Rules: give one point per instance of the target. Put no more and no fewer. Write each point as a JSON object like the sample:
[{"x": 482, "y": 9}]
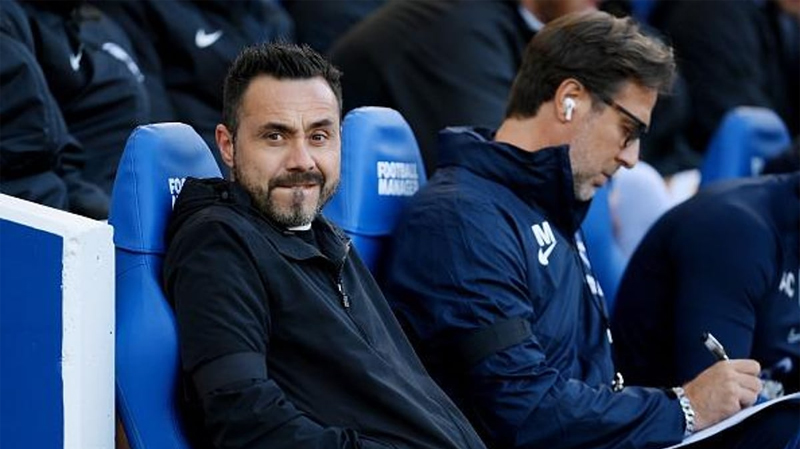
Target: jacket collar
[
  {"x": 198, "y": 194},
  {"x": 542, "y": 179}
]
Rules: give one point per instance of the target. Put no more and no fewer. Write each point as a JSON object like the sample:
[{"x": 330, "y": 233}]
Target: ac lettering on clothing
[
  {"x": 397, "y": 178},
  {"x": 787, "y": 284},
  {"x": 175, "y": 185}
]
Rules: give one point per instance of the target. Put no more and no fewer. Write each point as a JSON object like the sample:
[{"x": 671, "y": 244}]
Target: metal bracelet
[{"x": 688, "y": 411}]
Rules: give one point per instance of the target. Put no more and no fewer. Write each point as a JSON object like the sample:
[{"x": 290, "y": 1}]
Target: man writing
[
  {"x": 286, "y": 341},
  {"x": 491, "y": 279}
]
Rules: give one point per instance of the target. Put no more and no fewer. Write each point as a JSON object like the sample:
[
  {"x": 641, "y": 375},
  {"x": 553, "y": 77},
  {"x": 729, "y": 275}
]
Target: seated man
[
  {"x": 724, "y": 262},
  {"x": 286, "y": 341},
  {"x": 493, "y": 283}
]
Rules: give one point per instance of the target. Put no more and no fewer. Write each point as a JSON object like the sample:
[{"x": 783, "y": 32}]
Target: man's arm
[
  {"x": 725, "y": 264},
  {"x": 458, "y": 267},
  {"x": 224, "y": 325},
  {"x": 450, "y": 273}
]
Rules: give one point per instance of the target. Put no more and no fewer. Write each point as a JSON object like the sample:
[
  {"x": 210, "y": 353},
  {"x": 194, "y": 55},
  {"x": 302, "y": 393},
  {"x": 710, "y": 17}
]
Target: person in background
[
  {"x": 724, "y": 262},
  {"x": 285, "y": 339},
  {"x": 735, "y": 53},
  {"x": 441, "y": 63},
  {"x": 186, "y": 47},
  {"x": 319, "y": 23},
  {"x": 491, "y": 279},
  {"x": 88, "y": 71}
]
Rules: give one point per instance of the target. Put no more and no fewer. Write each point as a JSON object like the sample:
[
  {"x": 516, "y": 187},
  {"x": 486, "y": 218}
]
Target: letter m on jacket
[{"x": 545, "y": 239}]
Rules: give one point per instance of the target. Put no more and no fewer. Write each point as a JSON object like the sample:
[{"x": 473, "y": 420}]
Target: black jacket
[
  {"x": 733, "y": 53},
  {"x": 292, "y": 345},
  {"x": 33, "y": 131},
  {"x": 93, "y": 76},
  {"x": 71, "y": 94},
  {"x": 440, "y": 63},
  {"x": 187, "y": 46}
]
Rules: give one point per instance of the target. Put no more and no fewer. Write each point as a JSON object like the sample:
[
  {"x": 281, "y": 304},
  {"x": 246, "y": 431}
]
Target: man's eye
[
  {"x": 275, "y": 137},
  {"x": 319, "y": 137}
]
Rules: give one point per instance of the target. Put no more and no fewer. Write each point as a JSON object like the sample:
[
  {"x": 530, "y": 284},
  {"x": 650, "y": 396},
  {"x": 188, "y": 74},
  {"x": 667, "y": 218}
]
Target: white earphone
[{"x": 569, "y": 106}]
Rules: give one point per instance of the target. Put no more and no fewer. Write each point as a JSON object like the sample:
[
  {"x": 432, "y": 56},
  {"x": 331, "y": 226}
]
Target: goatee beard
[{"x": 297, "y": 213}]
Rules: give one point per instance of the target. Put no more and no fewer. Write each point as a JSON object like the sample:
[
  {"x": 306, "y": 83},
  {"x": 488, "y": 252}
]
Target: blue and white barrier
[{"x": 56, "y": 329}]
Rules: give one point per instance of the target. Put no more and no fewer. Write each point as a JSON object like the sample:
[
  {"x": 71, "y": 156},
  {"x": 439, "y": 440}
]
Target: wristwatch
[{"x": 686, "y": 408}]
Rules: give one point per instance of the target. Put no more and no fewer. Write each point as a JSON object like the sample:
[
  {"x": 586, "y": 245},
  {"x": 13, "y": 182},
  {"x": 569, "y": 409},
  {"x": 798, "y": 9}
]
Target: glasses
[{"x": 640, "y": 128}]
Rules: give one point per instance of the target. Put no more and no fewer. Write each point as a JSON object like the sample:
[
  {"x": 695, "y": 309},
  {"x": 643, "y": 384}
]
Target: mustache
[{"x": 297, "y": 179}]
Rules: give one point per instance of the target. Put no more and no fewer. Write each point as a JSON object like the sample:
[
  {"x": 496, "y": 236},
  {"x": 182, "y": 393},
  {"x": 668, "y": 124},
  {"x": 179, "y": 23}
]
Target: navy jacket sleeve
[
  {"x": 34, "y": 130},
  {"x": 458, "y": 272},
  {"x": 726, "y": 266},
  {"x": 226, "y": 312}
]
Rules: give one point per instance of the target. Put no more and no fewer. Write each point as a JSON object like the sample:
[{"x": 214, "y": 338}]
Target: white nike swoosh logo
[
  {"x": 543, "y": 256},
  {"x": 794, "y": 337},
  {"x": 203, "y": 39},
  {"x": 75, "y": 61}
]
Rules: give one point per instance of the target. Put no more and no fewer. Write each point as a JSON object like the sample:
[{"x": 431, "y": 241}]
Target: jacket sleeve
[
  {"x": 726, "y": 264},
  {"x": 35, "y": 134},
  {"x": 32, "y": 122},
  {"x": 223, "y": 317},
  {"x": 461, "y": 272}
]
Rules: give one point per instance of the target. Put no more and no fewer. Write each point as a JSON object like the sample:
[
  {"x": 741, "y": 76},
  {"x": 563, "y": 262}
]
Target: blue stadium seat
[
  {"x": 620, "y": 215},
  {"x": 641, "y": 9},
  {"x": 156, "y": 160},
  {"x": 745, "y": 139},
  {"x": 381, "y": 169}
]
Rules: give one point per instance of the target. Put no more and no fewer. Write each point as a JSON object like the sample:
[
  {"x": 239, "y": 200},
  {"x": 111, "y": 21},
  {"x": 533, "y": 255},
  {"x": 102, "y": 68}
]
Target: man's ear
[
  {"x": 225, "y": 144},
  {"x": 569, "y": 99}
]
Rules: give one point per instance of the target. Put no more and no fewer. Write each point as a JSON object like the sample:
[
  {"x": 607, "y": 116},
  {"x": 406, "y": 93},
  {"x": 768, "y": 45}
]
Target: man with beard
[{"x": 286, "y": 341}]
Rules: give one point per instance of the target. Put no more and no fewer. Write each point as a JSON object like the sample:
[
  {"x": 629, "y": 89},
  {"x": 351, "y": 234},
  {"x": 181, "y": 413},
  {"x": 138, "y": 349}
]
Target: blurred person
[
  {"x": 491, "y": 280},
  {"x": 186, "y": 47},
  {"x": 319, "y": 23},
  {"x": 441, "y": 63},
  {"x": 72, "y": 93},
  {"x": 734, "y": 53},
  {"x": 285, "y": 339},
  {"x": 29, "y": 160},
  {"x": 725, "y": 262}
]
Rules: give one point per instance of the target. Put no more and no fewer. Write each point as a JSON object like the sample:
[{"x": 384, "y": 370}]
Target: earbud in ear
[{"x": 569, "y": 106}]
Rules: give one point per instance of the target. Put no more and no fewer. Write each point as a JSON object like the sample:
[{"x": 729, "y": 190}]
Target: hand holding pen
[
  {"x": 724, "y": 388},
  {"x": 770, "y": 389}
]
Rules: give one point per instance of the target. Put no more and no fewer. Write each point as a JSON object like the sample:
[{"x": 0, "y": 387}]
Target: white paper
[{"x": 733, "y": 420}]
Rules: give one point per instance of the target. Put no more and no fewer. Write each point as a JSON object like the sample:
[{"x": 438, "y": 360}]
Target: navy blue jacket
[
  {"x": 71, "y": 95},
  {"x": 187, "y": 46},
  {"x": 725, "y": 261},
  {"x": 440, "y": 63},
  {"x": 467, "y": 255}
]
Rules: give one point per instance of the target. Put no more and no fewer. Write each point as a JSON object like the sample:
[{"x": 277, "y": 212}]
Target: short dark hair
[
  {"x": 595, "y": 48},
  {"x": 278, "y": 60}
]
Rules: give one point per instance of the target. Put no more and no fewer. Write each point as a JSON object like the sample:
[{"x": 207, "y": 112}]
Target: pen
[{"x": 713, "y": 345}]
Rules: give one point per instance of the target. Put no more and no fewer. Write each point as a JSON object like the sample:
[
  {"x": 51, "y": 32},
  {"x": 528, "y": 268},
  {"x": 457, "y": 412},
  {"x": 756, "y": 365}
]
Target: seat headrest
[
  {"x": 156, "y": 161},
  {"x": 744, "y": 140},
  {"x": 381, "y": 168}
]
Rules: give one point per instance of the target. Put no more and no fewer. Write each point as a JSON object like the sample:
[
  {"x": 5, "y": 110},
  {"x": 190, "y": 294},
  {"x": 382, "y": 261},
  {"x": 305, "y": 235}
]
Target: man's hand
[{"x": 722, "y": 390}]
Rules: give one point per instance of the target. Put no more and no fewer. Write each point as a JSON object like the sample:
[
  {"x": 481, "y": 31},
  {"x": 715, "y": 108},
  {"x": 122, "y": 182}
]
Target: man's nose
[
  {"x": 299, "y": 158},
  {"x": 629, "y": 155}
]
